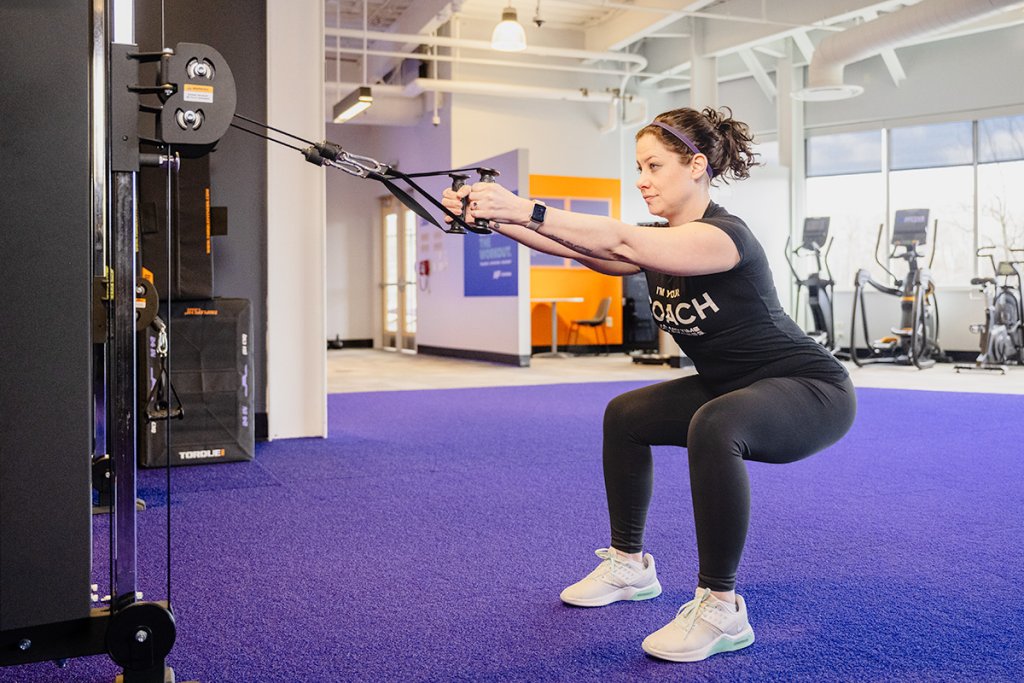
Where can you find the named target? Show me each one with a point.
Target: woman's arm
(546, 245)
(692, 249)
(539, 242)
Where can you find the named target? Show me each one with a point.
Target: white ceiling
(746, 36)
(382, 14)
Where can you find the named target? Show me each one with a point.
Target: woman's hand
(493, 202)
(489, 201)
(452, 200)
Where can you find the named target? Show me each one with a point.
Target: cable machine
(73, 344)
(70, 406)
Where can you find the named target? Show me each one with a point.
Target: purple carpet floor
(428, 538)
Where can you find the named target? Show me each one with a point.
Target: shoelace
(617, 567)
(690, 611)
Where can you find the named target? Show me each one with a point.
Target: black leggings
(776, 420)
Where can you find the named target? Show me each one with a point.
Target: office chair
(597, 322)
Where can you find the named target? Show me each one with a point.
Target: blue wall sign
(491, 265)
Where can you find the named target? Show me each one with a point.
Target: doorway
(398, 276)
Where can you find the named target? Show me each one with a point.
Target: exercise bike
(1002, 336)
(816, 242)
(915, 341)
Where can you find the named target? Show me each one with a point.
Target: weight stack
(211, 371)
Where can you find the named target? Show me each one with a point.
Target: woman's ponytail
(733, 155)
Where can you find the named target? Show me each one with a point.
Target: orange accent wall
(575, 280)
(583, 188)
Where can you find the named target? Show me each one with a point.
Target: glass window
(948, 193)
(1001, 139)
(410, 272)
(594, 207)
(942, 144)
(855, 205)
(844, 153)
(1000, 210)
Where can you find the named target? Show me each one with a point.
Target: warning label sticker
(198, 93)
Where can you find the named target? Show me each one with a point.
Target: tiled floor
(351, 370)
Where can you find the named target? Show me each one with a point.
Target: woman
(764, 390)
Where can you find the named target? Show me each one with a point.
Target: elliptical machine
(819, 287)
(1002, 336)
(915, 341)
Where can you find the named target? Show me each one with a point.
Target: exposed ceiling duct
(825, 73)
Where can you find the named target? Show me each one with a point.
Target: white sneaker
(616, 578)
(703, 627)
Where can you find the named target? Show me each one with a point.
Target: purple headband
(686, 141)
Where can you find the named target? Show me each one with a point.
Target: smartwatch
(537, 217)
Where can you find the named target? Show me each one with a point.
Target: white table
(554, 301)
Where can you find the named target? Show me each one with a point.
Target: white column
(703, 93)
(704, 71)
(296, 224)
(790, 116)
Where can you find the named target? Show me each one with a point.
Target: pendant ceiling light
(509, 35)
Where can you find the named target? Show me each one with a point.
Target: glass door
(398, 225)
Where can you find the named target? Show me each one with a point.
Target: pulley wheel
(146, 304)
(140, 636)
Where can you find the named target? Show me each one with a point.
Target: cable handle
(458, 181)
(487, 175)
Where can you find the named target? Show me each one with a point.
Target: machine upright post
(123, 391)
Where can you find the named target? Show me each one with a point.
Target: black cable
(433, 173)
(265, 137)
(276, 130)
(167, 359)
(314, 154)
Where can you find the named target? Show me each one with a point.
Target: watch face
(538, 213)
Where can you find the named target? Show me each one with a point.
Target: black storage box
(211, 371)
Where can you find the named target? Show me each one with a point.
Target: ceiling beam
(728, 37)
(423, 17)
(892, 62)
(804, 44)
(721, 38)
(630, 25)
(759, 73)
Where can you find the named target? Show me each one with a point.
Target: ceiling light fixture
(360, 99)
(356, 102)
(509, 35)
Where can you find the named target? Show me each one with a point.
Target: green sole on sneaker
(722, 644)
(648, 593)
